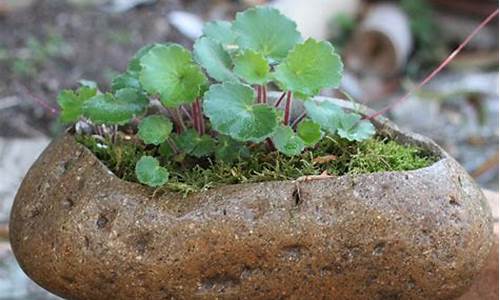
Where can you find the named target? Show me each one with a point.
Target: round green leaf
(353, 128)
(252, 67)
(265, 30)
(214, 59)
(229, 150)
(309, 132)
(220, 32)
(193, 144)
(170, 72)
(155, 129)
(232, 111)
(310, 67)
(287, 142)
(71, 103)
(148, 171)
(205, 145)
(325, 113)
(115, 109)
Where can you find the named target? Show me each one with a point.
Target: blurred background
(387, 47)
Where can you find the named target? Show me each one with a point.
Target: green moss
(332, 155)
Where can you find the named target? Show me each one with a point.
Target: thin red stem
(201, 120)
(195, 116)
(299, 118)
(288, 108)
(176, 117)
(186, 112)
(264, 94)
(259, 94)
(41, 102)
(438, 69)
(277, 104)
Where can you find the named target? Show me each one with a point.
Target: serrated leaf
(309, 132)
(265, 30)
(155, 129)
(170, 72)
(352, 128)
(310, 67)
(193, 144)
(125, 80)
(287, 142)
(205, 145)
(115, 109)
(252, 67)
(220, 32)
(232, 111)
(325, 113)
(214, 59)
(134, 65)
(148, 171)
(229, 150)
(71, 103)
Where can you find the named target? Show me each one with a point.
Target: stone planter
(82, 233)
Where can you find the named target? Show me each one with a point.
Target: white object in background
(383, 41)
(188, 24)
(313, 17)
(119, 6)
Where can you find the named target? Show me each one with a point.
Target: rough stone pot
(82, 233)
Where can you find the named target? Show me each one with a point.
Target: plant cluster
(224, 114)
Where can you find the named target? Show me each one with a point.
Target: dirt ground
(52, 44)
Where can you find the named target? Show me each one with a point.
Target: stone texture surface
(485, 286)
(82, 233)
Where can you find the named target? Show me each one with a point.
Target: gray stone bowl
(82, 233)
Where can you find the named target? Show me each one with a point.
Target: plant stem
(177, 119)
(277, 103)
(201, 121)
(172, 145)
(194, 109)
(186, 112)
(264, 93)
(297, 121)
(288, 108)
(259, 94)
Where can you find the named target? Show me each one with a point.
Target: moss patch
(333, 156)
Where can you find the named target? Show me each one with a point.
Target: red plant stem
(41, 102)
(299, 118)
(277, 104)
(186, 112)
(437, 70)
(194, 108)
(177, 119)
(264, 93)
(201, 121)
(288, 108)
(259, 94)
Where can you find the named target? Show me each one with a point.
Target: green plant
(261, 48)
